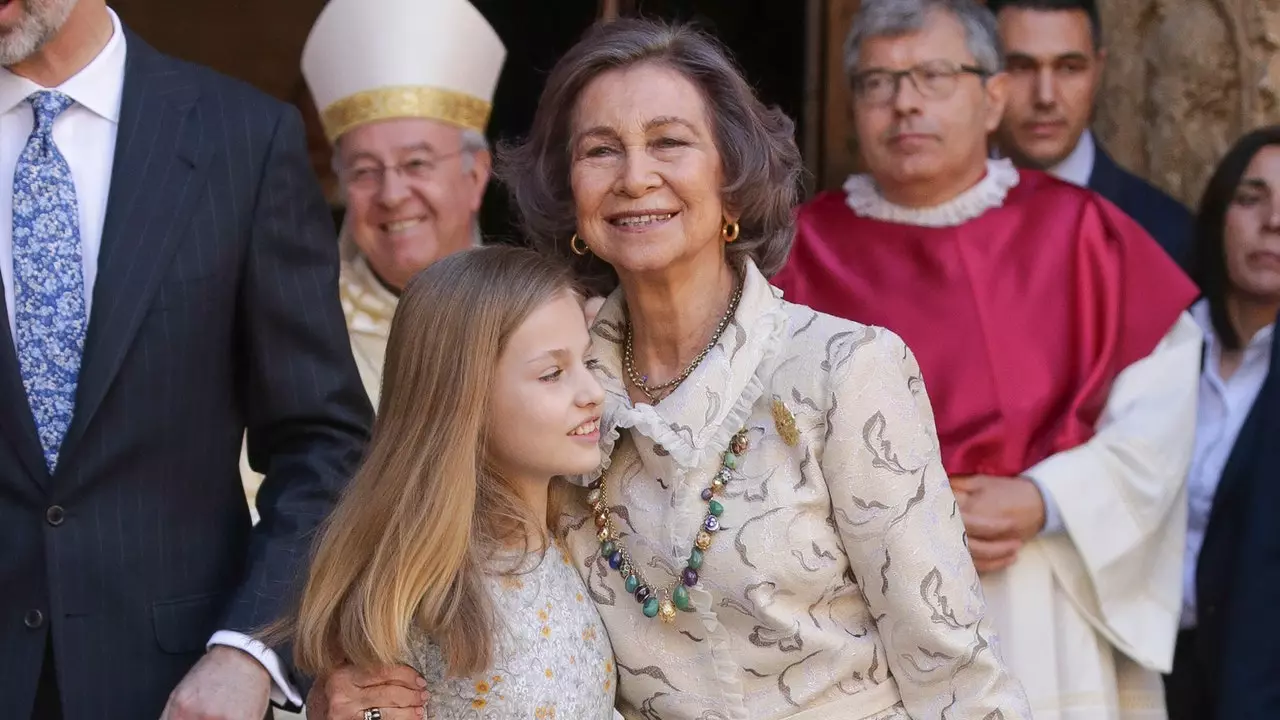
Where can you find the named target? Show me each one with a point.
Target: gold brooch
(785, 421)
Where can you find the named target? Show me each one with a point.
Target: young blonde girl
(438, 555)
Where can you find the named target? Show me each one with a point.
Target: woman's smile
(640, 221)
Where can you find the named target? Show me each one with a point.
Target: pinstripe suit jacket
(216, 309)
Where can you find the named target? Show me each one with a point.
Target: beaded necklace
(664, 602)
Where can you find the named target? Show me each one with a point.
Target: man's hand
(398, 692)
(226, 684)
(1000, 514)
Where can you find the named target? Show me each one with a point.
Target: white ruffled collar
(694, 423)
(863, 196)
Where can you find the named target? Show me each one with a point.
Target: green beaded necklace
(665, 601)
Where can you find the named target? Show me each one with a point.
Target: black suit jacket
(215, 310)
(1238, 572)
(1165, 219)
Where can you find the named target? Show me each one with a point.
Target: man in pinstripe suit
(170, 279)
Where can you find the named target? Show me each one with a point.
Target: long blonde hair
(406, 550)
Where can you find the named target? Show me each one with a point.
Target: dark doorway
(535, 37)
(766, 37)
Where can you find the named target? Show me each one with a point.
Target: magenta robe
(1021, 318)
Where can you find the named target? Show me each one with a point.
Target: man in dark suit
(170, 279)
(1055, 59)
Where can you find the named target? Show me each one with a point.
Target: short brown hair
(761, 163)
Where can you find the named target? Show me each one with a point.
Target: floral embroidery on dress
(551, 658)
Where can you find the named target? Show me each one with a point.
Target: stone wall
(1185, 78)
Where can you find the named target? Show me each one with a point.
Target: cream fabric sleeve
(1122, 499)
(902, 532)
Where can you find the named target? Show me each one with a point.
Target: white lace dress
(551, 655)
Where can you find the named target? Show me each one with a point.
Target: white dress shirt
(1077, 167)
(85, 134)
(1224, 406)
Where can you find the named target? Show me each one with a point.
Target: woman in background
(1236, 262)
(438, 554)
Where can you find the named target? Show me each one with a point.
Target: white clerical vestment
(369, 307)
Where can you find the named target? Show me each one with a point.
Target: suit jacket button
(55, 515)
(33, 619)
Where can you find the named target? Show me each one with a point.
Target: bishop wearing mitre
(404, 89)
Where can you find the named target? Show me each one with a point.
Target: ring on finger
(373, 714)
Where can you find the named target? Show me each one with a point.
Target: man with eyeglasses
(404, 89)
(1054, 345)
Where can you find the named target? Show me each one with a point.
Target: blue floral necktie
(49, 305)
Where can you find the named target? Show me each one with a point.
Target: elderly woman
(772, 534)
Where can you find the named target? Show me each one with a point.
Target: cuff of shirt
(283, 693)
(1052, 516)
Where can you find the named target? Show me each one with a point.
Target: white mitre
(370, 60)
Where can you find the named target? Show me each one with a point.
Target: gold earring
(575, 242)
(730, 231)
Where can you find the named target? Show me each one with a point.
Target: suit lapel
(157, 175)
(1105, 177)
(16, 421)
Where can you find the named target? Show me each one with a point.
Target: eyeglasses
(371, 176)
(935, 80)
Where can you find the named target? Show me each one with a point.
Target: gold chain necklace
(652, 391)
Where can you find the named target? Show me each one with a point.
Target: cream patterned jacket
(839, 585)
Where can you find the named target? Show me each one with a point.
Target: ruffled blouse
(839, 584)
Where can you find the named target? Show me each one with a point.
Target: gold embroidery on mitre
(785, 422)
(465, 111)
